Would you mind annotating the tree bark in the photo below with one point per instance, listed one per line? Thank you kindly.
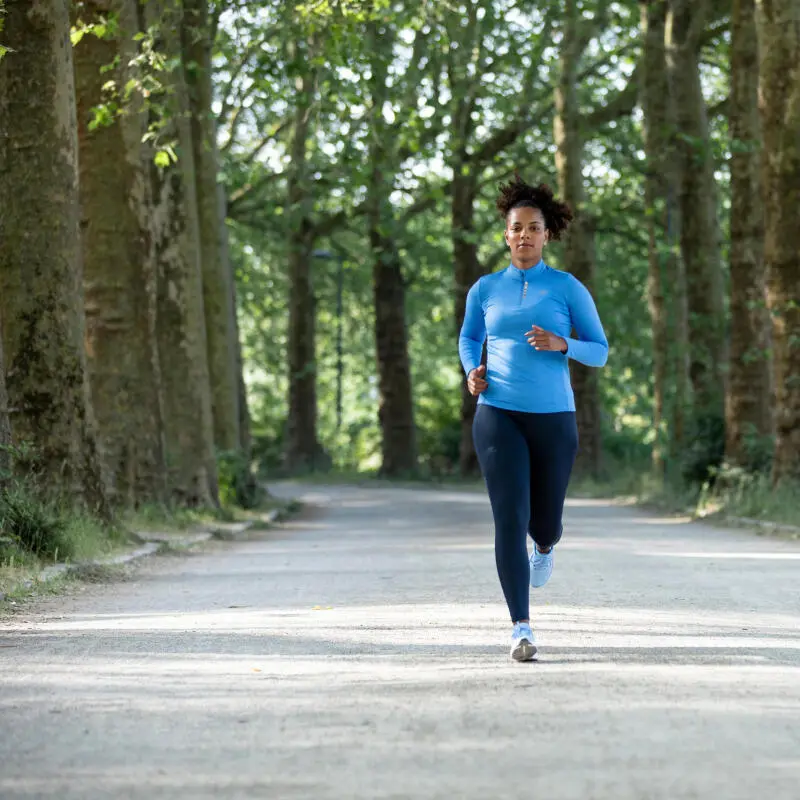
(467, 167)
(5, 420)
(396, 403)
(579, 254)
(40, 259)
(396, 406)
(666, 275)
(467, 270)
(749, 396)
(779, 40)
(699, 230)
(119, 269)
(181, 331)
(303, 450)
(214, 256)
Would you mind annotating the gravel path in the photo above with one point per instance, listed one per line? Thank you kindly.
(360, 651)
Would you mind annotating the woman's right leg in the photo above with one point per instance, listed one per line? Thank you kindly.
(503, 456)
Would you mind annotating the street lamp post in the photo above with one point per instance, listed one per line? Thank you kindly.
(327, 254)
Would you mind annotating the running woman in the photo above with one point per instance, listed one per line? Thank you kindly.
(524, 430)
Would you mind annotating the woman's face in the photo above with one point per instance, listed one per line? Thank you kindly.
(526, 236)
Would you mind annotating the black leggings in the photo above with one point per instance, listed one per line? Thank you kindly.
(526, 460)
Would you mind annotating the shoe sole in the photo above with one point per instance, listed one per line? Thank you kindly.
(524, 651)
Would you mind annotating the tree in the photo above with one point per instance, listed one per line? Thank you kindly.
(396, 407)
(749, 396)
(666, 275)
(181, 320)
(779, 49)
(40, 263)
(579, 240)
(571, 128)
(303, 450)
(699, 227)
(119, 278)
(5, 420)
(197, 42)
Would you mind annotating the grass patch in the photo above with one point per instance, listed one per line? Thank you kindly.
(36, 533)
(168, 519)
(729, 493)
(736, 493)
(156, 517)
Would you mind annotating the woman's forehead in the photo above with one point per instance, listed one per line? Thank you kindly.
(525, 215)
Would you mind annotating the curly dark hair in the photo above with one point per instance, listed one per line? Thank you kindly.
(518, 194)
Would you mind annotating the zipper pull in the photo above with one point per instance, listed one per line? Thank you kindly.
(525, 289)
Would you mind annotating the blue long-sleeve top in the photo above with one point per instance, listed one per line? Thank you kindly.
(501, 308)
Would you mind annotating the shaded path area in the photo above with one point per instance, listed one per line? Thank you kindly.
(360, 651)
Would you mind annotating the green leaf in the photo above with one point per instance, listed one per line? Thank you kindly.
(161, 159)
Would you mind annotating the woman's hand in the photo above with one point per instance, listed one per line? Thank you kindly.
(476, 382)
(541, 339)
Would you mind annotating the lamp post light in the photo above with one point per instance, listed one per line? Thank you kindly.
(327, 254)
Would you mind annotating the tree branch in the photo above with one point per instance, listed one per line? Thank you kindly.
(226, 106)
(500, 252)
(621, 105)
(237, 197)
(506, 136)
(274, 132)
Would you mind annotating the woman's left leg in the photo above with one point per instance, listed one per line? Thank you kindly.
(552, 444)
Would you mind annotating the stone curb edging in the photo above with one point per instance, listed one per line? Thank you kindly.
(775, 527)
(154, 541)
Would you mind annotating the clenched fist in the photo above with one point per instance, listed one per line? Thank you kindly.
(540, 339)
(476, 382)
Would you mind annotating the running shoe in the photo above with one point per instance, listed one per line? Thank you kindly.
(523, 642)
(541, 567)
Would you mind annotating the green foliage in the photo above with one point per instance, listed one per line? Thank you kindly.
(140, 85)
(32, 525)
(35, 524)
(738, 492)
(3, 49)
(503, 58)
(237, 484)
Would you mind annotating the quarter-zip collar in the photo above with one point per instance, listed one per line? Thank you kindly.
(526, 274)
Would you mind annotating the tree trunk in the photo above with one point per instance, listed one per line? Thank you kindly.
(396, 408)
(396, 403)
(119, 270)
(303, 450)
(216, 265)
(467, 270)
(40, 259)
(779, 39)
(699, 234)
(245, 435)
(5, 420)
(181, 329)
(666, 275)
(749, 396)
(654, 100)
(579, 244)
